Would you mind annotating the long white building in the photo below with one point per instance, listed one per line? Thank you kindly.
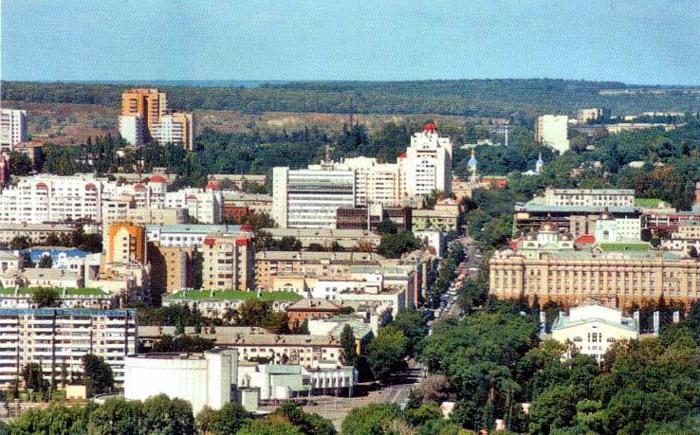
(60, 337)
(13, 128)
(202, 205)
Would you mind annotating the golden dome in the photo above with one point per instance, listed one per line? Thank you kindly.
(549, 227)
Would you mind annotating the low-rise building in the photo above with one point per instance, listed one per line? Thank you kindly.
(35, 233)
(305, 309)
(592, 329)
(345, 238)
(204, 380)
(218, 304)
(283, 381)
(445, 217)
(93, 298)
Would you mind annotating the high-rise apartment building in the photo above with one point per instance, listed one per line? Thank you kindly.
(553, 131)
(175, 128)
(13, 128)
(228, 261)
(132, 129)
(58, 338)
(147, 103)
(427, 163)
(203, 206)
(125, 244)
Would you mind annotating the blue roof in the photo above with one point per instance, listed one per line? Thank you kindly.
(37, 253)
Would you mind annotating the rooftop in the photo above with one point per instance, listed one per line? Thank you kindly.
(625, 247)
(318, 256)
(233, 295)
(317, 304)
(193, 228)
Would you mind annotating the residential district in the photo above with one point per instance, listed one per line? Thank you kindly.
(338, 288)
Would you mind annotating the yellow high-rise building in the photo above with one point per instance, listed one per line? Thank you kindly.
(146, 103)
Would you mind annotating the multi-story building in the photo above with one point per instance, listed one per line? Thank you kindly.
(685, 239)
(345, 238)
(228, 261)
(13, 128)
(147, 104)
(546, 265)
(92, 298)
(356, 218)
(309, 198)
(596, 114)
(240, 181)
(444, 217)
(36, 233)
(203, 206)
(553, 130)
(577, 210)
(58, 338)
(592, 329)
(132, 129)
(175, 128)
(610, 229)
(51, 198)
(375, 183)
(427, 164)
(125, 244)
(170, 268)
(272, 264)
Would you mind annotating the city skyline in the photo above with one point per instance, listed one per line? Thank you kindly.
(650, 43)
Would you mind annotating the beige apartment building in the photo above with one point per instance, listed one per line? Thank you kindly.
(228, 261)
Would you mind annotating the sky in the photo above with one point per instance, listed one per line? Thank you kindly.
(635, 41)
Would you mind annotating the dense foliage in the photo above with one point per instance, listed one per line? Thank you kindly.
(501, 97)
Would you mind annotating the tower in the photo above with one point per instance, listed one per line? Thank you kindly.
(539, 165)
(472, 166)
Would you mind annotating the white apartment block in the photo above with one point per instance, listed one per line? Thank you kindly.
(427, 165)
(609, 229)
(51, 198)
(167, 130)
(131, 129)
(309, 198)
(13, 128)
(204, 206)
(589, 197)
(553, 131)
(59, 337)
(375, 183)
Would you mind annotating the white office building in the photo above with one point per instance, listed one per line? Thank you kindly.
(13, 128)
(60, 337)
(131, 129)
(427, 164)
(186, 235)
(309, 198)
(375, 183)
(553, 131)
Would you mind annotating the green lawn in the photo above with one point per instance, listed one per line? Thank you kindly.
(235, 294)
(648, 202)
(636, 247)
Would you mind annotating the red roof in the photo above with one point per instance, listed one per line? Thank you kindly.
(242, 242)
(157, 179)
(41, 185)
(209, 242)
(247, 227)
(402, 155)
(431, 126)
(139, 186)
(213, 185)
(585, 239)
(191, 197)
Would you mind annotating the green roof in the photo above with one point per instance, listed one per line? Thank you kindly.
(235, 295)
(648, 202)
(637, 247)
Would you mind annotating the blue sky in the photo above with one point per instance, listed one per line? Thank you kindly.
(642, 41)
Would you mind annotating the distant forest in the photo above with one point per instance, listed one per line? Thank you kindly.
(503, 98)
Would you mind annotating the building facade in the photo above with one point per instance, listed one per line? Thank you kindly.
(58, 338)
(427, 164)
(175, 128)
(228, 261)
(13, 128)
(146, 104)
(553, 130)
